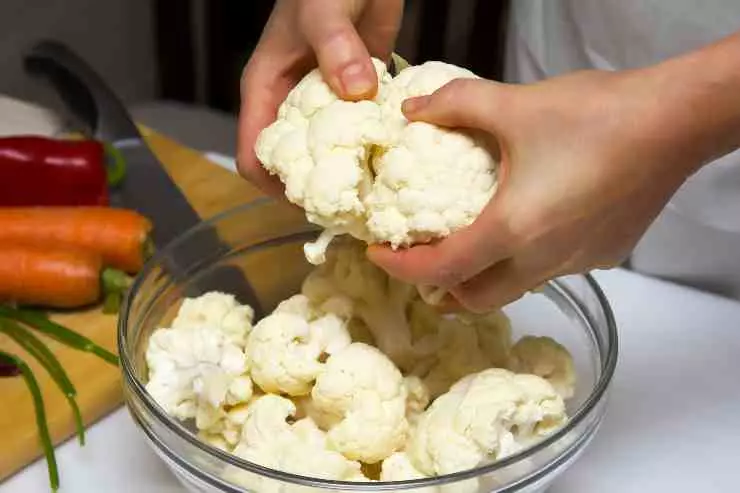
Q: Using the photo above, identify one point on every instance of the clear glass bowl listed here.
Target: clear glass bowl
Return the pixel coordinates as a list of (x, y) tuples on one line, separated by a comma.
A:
[(263, 240)]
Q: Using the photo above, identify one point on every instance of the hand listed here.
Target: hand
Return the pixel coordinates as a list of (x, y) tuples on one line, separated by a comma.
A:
[(340, 35), (587, 164)]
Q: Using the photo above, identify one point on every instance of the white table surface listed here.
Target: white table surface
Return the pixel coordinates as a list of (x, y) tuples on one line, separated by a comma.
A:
[(673, 423)]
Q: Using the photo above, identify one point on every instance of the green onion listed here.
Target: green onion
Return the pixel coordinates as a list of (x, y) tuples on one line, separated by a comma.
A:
[(115, 285), (38, 404), (36, 348), (58, 332)]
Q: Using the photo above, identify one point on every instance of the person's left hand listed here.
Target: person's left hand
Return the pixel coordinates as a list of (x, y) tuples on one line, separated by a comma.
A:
[(588, 161)]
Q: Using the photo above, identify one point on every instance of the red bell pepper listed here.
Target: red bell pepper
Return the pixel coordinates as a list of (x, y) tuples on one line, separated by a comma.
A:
[(39, 171)]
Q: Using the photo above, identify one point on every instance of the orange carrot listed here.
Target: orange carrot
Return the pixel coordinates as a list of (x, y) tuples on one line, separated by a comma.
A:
[(119, 236), (61, 278)]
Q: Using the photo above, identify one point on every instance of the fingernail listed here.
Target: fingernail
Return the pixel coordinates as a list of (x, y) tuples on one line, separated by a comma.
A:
[(356, 80), (413, 105)]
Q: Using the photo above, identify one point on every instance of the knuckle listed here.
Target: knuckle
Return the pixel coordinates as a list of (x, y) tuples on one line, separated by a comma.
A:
[(454, 89), (447, 275)]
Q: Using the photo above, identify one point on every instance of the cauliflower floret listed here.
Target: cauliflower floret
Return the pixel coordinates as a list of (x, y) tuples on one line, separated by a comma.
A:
[(417, 399), (194, 371), (227, 431), (485, 416), (320, 146), (285, 348), (361, 168), (418, 80), (362, 399), (378, 300), (546, 358), (432, 182), (468, 344), (398, 467), (217, 310), (268, 439)]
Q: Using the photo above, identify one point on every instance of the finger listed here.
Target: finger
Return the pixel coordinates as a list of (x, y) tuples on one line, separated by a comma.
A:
[(379, 25), (497, 286), (454, 259), (466, 103), (262, 92), (343, 58), (449, 305)]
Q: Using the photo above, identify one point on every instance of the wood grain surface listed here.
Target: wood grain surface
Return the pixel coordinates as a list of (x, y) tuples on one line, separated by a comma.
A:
[(210, 189)]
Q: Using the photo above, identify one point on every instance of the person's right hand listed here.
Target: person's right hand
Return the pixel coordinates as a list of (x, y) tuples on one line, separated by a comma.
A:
[(338, 35)]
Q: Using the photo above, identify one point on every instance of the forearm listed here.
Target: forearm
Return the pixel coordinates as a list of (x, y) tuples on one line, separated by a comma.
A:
[(697, 103)]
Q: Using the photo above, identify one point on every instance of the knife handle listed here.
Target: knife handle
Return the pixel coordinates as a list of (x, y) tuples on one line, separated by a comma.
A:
[(83, 91)]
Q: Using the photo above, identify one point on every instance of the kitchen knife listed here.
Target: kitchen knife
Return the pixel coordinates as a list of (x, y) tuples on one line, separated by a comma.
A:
[(147, 187)]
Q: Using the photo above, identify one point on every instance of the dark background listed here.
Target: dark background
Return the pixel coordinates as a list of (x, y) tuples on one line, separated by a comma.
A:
[(230, 30)]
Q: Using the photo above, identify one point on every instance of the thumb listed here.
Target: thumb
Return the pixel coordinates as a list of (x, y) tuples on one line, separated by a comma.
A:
[(461, 103), (342, 56)]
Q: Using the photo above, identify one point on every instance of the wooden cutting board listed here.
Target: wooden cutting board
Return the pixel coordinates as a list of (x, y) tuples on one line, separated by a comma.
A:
[(210, 189)]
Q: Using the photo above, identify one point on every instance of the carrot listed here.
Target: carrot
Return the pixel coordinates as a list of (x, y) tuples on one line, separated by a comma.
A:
[(119, 236), (54, 277)]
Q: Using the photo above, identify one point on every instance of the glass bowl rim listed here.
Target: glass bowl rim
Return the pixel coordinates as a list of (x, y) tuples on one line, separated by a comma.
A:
[(608, 367)]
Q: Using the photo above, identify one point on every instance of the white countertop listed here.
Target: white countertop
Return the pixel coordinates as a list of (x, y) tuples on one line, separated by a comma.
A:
[(673, 423)]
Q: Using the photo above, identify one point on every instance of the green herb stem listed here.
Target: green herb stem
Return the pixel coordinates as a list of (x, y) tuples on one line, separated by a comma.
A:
[(58, 332), (36, 348), (115, 284), (38, 404)]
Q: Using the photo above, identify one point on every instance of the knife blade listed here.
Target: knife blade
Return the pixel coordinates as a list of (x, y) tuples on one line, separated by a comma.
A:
[(147, 187)]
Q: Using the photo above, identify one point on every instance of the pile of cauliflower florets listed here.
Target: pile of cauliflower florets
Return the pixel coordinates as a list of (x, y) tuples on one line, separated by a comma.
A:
[(356, 378), (361, 168)]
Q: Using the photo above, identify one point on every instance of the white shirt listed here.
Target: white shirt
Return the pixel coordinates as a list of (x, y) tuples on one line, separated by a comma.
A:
[(552, 37)]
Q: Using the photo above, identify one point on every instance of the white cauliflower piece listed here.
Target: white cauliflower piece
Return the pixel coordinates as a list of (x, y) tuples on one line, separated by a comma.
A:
[(215, 440), (361, 168), (418, 398), (432, 182), (417, 80), (468, 344), (362, 398), (269, 439), (398, 467), (285, 349), (545, 357), (227, 431), (194, 371), (320, 146), (378, 300), (217, 310), (484, 417)]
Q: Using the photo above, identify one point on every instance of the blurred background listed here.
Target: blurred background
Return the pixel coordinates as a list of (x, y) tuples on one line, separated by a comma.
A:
[(177, 63)]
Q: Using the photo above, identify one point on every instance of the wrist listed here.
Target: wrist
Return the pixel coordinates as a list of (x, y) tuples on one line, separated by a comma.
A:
[(695, 111)]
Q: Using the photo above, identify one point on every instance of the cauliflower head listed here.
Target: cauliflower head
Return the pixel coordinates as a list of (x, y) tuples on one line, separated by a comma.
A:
[(270, 439), (194, 371), (361, 168), (285, 349), (485, 416), (545, 357), (360, 397), (218, 310)]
